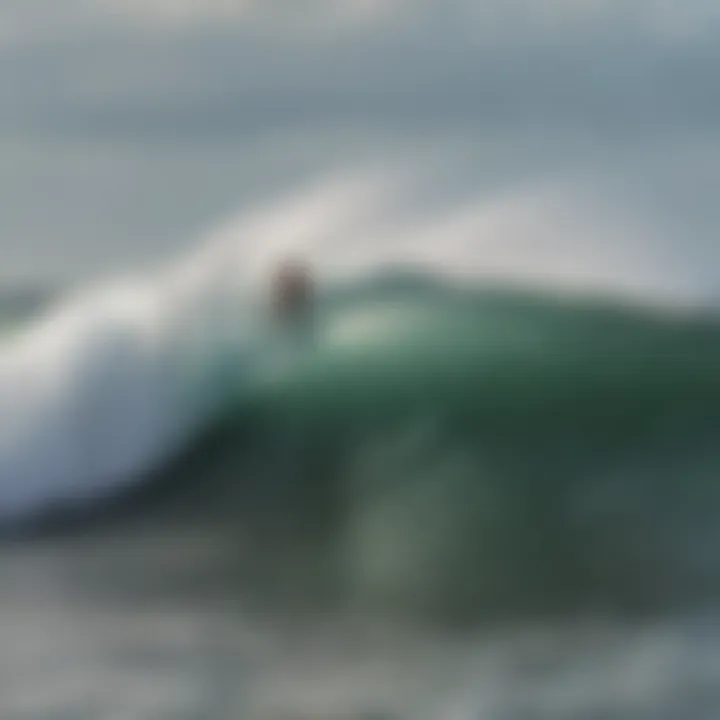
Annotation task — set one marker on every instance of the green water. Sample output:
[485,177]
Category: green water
[474,453]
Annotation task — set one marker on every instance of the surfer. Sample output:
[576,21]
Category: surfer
[292,293]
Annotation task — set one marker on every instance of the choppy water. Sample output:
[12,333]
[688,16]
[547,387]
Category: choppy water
[137,626]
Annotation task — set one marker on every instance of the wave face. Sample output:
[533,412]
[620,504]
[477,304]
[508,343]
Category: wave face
[457,448]
[483,449]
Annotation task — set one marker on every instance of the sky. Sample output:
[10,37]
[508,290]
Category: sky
[129,129]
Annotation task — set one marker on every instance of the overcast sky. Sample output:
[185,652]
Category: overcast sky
[130,127]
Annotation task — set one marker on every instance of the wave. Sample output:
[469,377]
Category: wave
[458,448]
[475,446]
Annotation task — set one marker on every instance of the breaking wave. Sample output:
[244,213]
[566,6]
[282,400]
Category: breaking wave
[470,445]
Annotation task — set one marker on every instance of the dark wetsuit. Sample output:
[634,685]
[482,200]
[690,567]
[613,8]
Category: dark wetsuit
[292,296]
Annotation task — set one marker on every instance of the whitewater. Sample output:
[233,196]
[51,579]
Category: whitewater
[486,488]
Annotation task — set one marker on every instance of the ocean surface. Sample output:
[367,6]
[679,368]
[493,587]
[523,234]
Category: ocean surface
[445,498]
